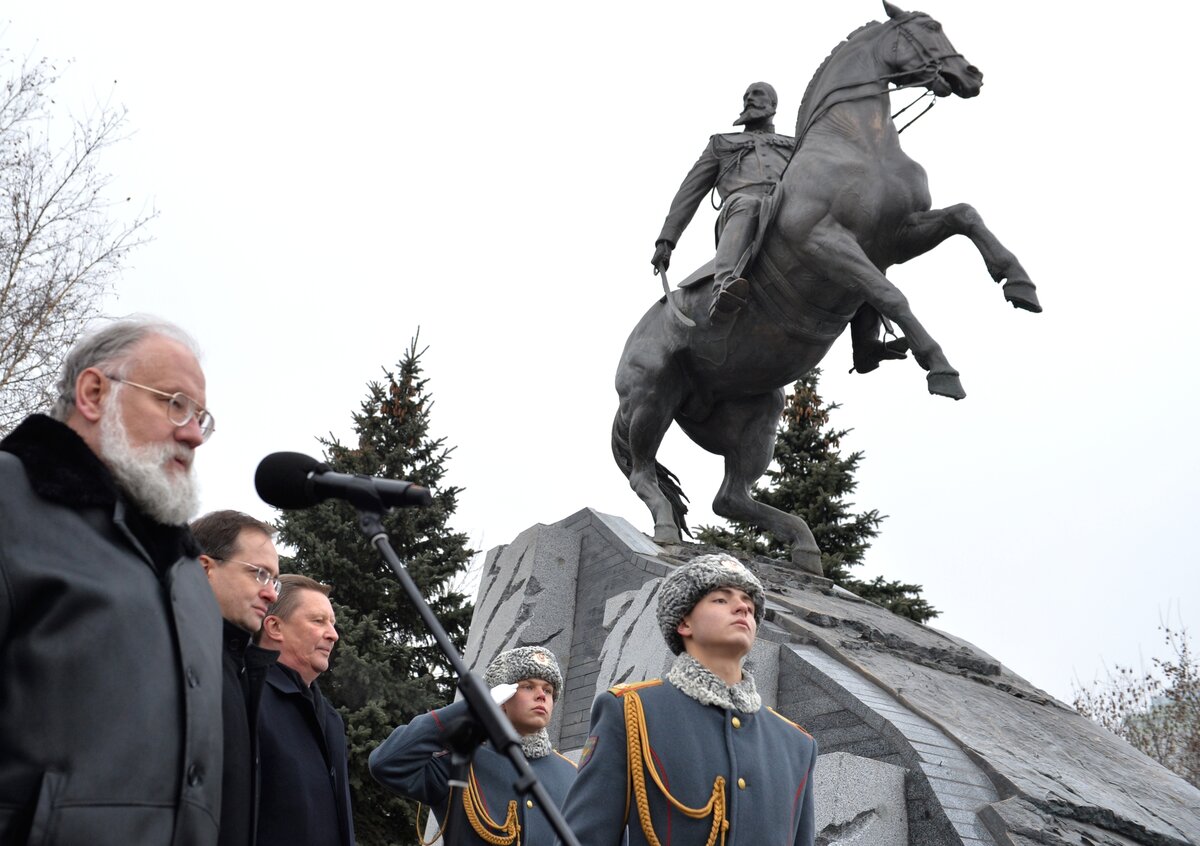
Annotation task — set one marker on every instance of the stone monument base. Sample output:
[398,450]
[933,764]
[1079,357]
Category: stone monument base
[924,739]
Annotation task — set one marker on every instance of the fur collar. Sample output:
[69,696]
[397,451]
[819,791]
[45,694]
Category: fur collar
[536,745]
[60,466]
[693,679]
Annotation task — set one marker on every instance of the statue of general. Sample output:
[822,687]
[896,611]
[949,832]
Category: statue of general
[744,169]
[806,233]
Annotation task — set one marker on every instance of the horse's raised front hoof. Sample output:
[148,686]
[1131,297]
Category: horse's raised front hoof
[945,385]
[808,561]
[1022,294]
[667,533]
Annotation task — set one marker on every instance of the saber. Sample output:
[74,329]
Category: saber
[683,318]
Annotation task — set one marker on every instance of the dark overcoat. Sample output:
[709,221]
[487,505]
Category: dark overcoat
[110,714]
[244,671]
[413,762]
[305,781]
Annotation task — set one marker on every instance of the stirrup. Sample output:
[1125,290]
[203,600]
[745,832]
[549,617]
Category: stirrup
[730,298]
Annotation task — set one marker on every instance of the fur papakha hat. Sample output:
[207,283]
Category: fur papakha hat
[685,587]
[524,662]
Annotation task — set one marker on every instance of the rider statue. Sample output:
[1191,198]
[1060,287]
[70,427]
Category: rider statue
[743,168]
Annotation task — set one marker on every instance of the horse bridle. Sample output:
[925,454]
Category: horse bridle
[930,64]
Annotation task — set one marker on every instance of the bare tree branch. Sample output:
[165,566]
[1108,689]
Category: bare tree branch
[1156,711]
[62,239]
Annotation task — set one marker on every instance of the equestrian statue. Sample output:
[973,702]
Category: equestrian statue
[805,235]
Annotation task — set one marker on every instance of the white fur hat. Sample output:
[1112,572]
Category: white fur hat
[682,589]
[524,662]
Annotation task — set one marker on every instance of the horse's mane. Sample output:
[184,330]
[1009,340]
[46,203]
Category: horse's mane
[806,102]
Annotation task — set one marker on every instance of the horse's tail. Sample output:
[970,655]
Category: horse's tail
[668,482]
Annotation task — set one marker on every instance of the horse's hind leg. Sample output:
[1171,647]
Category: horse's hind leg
[743,431]
[643,417]
[922,231]
[836,254]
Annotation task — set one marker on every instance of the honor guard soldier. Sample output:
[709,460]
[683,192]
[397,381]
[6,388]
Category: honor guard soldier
[695,758]
[415,762]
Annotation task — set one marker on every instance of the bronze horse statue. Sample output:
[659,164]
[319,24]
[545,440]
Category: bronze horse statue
[850,204]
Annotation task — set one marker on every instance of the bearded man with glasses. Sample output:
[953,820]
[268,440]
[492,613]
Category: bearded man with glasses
[110,717]
[242,565]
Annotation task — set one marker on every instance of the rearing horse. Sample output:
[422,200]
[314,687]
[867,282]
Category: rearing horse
[850,205]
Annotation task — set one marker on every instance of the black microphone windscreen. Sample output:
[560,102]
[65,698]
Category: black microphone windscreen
[282,479]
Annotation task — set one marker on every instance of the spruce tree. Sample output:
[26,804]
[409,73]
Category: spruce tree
[385,668]
[812,479]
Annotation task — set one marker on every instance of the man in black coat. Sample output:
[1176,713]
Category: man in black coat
[243,570]
[110,716]
[305,784]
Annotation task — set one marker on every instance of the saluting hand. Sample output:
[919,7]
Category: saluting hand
[501,693]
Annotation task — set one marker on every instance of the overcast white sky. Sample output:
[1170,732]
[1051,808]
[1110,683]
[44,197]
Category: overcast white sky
[331,177]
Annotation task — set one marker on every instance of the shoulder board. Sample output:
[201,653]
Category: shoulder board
[782,140]
[622,689]
[731,140]
[565,758]
[789,722]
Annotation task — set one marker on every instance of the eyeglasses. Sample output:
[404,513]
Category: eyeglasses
[261,574]
[180,407]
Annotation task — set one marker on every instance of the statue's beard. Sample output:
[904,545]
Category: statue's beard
[752,113]
[167,497]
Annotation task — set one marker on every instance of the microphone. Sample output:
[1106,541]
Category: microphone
[293,480]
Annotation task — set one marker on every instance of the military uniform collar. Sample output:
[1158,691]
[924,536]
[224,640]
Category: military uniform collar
[693,679]
[536,745]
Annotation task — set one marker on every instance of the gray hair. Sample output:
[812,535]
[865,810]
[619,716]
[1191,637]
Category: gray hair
[109,348]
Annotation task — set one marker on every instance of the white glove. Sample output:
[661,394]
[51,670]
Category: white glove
[501,693]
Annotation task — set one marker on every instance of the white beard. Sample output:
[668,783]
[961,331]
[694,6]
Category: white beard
[141,472]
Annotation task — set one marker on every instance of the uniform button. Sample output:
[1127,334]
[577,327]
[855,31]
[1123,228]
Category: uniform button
[737,724]
[195,775]
[741,784]
[528,803]
[192,678]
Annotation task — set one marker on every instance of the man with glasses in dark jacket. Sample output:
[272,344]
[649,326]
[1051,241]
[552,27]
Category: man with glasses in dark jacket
[243,570]
[110,719]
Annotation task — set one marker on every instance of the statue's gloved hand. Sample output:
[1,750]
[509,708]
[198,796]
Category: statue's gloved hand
[501,693]
[662,257]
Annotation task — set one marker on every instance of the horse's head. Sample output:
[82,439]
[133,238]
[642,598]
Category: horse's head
[922,55]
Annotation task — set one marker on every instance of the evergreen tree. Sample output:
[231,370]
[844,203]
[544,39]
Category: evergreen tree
[386,669]
[812,479]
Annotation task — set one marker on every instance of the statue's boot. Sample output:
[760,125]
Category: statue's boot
[868,354]
[728,299]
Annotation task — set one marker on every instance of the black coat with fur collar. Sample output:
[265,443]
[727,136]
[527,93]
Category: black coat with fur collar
[110,639]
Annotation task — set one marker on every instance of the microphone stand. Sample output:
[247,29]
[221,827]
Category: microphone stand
[488,721]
